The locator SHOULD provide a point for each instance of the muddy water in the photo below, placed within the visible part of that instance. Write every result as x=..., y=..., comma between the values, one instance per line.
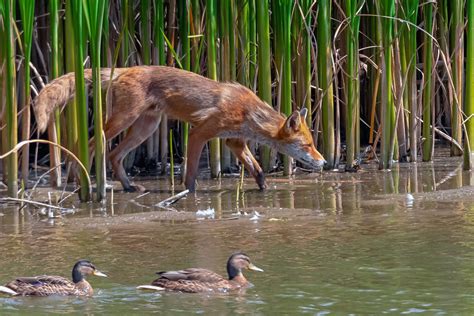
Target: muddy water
x=374, y=242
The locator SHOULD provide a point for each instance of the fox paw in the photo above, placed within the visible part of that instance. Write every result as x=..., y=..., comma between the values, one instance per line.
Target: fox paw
x=135, y=188
x=260, y=179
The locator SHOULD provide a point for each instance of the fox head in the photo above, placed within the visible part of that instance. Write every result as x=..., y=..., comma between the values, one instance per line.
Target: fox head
x=297, y=140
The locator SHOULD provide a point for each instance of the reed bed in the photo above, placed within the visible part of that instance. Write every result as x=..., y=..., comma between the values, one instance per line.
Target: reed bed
x=383, y=80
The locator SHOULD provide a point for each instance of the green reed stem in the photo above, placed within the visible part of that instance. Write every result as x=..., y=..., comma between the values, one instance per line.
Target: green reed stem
x=408, y=42
x=457, y=65
x=71, y=109
x=145, y=31
x=243, y=42
x=351, y=8
x=469, y=102
x=94, y=14
x=54, y=128
x=428, y=97
x=11, y=107
x=282, y=27
x=227, y=59
x=301, y=40
x=27, y=9
x=325, y=79
x=184, y=28
x=211, y=32
x=252, y=38
x=387, y=9
x=80, y=97
x=264, y=67
x=171, y=157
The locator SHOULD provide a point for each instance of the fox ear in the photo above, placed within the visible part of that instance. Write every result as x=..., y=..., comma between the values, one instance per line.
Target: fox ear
x=293, y=122
x=304, y=113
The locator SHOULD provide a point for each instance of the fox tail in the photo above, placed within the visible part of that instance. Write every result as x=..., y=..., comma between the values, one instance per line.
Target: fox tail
x=60, y=91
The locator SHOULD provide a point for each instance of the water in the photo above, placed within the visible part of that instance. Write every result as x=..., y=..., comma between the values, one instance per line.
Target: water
x=373, y=242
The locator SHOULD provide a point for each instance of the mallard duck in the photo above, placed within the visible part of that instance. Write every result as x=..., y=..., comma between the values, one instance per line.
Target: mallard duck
x=194, y=280
x=45, y=285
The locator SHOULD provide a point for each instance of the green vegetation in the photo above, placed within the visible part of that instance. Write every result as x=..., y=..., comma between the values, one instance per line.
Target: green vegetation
x=469, y=107
x=427, y=88
x=27, y=15
x=282, y=29
x=94, y=15
x=264, y=66
x=81, y=103
x=11, y=112
x=388, y=74
x=325, y=80
x=54, y=128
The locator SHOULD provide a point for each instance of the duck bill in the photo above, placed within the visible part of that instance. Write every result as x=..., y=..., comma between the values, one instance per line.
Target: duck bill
x=255, y=268
x=98, y=273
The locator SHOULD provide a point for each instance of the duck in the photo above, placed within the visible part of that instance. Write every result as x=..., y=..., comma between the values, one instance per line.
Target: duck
x=46, y=285
x=198, y=280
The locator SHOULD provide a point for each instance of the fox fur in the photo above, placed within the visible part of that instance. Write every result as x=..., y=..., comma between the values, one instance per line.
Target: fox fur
x=140, y=95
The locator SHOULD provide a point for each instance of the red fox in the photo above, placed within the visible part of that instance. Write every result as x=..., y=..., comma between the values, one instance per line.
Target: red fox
x=140, y=95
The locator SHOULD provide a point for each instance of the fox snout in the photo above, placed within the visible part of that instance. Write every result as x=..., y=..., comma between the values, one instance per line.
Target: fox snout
x=315, y=160
x=316, y=164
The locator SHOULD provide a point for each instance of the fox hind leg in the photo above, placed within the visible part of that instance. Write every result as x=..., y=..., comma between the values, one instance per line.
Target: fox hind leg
x=141, y=129
x=125, y=112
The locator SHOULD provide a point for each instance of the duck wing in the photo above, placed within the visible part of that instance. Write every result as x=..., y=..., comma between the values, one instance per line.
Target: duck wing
x=192, y=274
x=44, y=280
x=192, y=280
x=42, y=285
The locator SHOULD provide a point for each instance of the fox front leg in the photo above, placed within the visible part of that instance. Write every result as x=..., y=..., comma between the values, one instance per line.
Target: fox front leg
x=242, y=152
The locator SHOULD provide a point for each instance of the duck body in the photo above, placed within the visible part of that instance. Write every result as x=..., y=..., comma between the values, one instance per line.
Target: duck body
x=196, y=280
x=46, y=285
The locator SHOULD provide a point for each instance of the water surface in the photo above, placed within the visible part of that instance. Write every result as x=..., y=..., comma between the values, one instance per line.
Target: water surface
x=373, y=242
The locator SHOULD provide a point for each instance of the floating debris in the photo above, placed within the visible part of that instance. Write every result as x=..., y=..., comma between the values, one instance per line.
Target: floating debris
x=274, y=219
x=410, y=199
x=256, y=216
x=206, y=214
